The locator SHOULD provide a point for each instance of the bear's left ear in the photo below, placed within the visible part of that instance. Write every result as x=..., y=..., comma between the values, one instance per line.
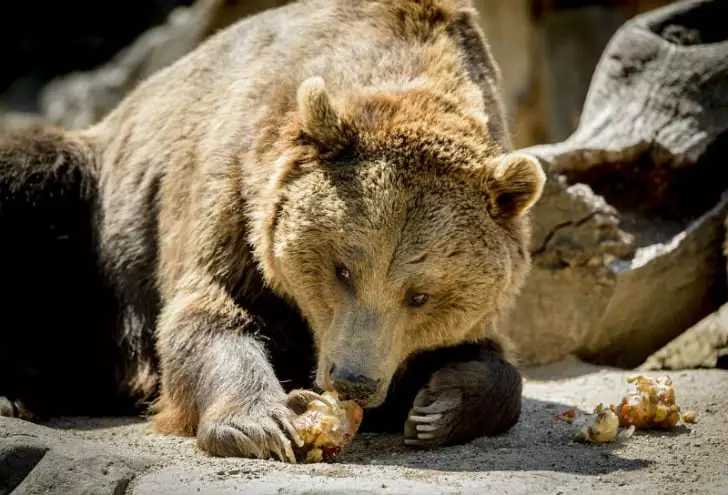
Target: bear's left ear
x=319, y=118
x=515, y=181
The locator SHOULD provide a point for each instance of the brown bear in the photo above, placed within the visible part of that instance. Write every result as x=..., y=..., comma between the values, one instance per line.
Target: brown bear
x=322, y=196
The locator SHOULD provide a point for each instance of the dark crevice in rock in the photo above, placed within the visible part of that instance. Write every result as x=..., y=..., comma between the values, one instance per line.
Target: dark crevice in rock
x=722, y=362
x=695, y=25
x=656, y=202
x=555, y=230
x=121, y=486
x=16, y=463
x=28, y=435
x=542, y=248
x=652, y=190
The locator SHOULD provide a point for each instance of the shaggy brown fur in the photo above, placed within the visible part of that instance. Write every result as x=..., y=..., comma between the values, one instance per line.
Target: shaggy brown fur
x=339, y=166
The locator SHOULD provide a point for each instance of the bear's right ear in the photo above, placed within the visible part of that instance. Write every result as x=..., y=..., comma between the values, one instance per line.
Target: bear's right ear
x=515, y=182
x=319, y=118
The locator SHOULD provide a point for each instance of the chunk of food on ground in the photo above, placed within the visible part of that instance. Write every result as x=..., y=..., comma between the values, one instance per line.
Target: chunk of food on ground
x=326, y=428
x=602, y=426
x=651, y=404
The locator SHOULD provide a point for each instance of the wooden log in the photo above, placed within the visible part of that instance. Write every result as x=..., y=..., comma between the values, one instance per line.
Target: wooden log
x=661, y=88
x=628, y=234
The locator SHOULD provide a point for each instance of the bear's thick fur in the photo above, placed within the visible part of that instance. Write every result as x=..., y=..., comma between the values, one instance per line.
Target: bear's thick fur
x=321, y=196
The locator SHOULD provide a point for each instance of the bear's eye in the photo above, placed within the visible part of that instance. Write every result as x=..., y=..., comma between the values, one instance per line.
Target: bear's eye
x=343, y=274
x=415, y=299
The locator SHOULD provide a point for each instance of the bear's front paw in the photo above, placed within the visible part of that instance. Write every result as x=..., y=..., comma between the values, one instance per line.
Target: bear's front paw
x=465, y=401
x=262, y=431
x=433, y=418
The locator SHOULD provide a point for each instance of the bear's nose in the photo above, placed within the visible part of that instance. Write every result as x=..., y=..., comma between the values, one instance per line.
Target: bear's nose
x=351, y=385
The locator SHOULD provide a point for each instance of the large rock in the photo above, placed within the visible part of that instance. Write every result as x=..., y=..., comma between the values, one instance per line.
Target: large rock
x=35, y=459
x=627, y=237
x=46, y=38
x=704, y=345
x=80, y=99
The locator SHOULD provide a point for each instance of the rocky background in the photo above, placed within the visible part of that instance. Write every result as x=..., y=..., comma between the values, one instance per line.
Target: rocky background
x=94, y=53
x=624, y=101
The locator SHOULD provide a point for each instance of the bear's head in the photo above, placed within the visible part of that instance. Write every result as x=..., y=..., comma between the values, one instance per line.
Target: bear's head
x=399, y=226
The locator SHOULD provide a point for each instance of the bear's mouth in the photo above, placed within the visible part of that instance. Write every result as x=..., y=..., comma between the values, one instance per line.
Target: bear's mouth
x=371, y=401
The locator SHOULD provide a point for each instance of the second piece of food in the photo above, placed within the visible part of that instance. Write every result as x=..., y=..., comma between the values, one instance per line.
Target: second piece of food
x=650, y=405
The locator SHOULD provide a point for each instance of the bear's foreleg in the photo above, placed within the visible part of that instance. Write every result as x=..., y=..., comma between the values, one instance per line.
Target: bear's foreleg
x=466, y=400
x=218, y=382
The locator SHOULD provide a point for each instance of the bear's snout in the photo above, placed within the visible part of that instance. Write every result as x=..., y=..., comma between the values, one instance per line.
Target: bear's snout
x=352, y=385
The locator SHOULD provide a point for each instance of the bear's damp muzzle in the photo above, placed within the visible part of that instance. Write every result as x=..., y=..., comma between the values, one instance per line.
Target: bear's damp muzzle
x=353, y=385
x=358, y=355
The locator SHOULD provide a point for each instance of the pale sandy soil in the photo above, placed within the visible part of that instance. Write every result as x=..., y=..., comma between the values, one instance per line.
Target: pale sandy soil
x=537, y=456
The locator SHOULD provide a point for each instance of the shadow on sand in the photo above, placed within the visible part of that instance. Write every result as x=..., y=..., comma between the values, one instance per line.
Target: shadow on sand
x=538, y=443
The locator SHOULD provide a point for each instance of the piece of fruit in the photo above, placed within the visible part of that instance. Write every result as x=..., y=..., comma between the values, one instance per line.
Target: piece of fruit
x=600, y=427
x=689, y=417
x=650, y=405
x=326, y=427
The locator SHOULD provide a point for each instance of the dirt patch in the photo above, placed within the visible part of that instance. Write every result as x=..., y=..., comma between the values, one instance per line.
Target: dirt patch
x=538, y=455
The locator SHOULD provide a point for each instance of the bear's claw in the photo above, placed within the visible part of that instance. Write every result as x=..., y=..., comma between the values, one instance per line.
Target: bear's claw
x=264, y=432
x=432, y=418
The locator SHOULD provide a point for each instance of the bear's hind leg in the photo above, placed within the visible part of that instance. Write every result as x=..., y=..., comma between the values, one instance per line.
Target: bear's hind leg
x=57, y=319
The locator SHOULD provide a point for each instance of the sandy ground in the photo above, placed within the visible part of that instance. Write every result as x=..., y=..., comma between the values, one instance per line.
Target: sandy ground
x=537, y=456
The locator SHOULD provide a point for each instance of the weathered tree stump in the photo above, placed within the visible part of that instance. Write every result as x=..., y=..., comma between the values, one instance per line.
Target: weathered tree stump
x=660, y=89
x=627, y=237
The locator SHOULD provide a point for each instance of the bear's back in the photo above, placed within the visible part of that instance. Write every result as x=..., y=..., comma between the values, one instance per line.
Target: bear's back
x=243, y=80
